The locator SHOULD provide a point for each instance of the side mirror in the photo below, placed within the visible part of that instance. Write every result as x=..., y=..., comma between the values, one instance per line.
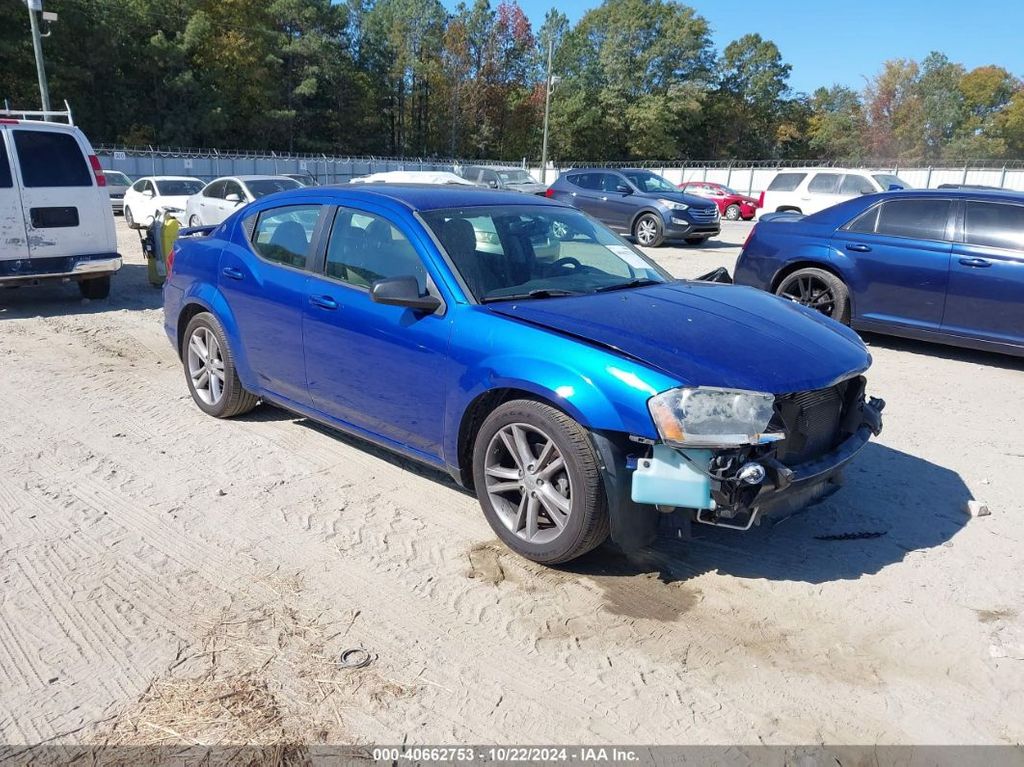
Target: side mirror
x=623, y=189
x=403, y=291
x=235, y=198
x=492, y=184
x=148, y=193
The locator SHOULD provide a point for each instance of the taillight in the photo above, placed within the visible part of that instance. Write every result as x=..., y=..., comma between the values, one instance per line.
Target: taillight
x=170, y=261
x=97, y=170
x=749, y=235
x=549, y=192
x=760, y=200
x=8, y=121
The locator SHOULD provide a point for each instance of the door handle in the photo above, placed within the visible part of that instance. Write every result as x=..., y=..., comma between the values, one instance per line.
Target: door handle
x=231, y=273
x=324, y=302
x=978, y=263
x=858, y=247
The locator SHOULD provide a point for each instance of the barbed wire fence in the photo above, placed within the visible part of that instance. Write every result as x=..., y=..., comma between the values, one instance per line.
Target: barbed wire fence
x=748, y=176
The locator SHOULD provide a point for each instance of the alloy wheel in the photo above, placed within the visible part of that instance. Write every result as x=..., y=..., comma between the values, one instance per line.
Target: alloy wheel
x=808, y=290
x=206, y=365
x=646, y=231
x=528, y=483
x=732, y=213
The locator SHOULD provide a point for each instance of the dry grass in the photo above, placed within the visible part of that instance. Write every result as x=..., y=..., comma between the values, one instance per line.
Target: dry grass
x=260, y=686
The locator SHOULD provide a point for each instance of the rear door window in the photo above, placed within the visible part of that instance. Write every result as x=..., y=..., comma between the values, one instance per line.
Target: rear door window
x=51, y=159
x=824, y=183
x=786, y=182
x=587, y=180
x=996, y=225
x=283, y=235
x=853, y=184
x=918, y=219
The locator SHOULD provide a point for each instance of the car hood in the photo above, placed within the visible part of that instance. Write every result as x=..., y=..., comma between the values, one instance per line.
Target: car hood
x=689, y=199
x=707, y=334
x=530, y=187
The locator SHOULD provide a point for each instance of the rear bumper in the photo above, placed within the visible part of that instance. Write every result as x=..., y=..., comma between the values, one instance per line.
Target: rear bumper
x=31, y=271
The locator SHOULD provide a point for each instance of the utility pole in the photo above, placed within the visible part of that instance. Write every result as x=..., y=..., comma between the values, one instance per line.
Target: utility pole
x=37, y=44
x=547, y=111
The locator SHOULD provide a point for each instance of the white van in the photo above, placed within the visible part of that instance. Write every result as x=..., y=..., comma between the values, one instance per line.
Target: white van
x=56, y=224
x=808, y=190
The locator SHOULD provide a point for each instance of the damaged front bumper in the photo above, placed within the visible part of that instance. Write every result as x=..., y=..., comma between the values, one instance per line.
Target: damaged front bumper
x=738, y=486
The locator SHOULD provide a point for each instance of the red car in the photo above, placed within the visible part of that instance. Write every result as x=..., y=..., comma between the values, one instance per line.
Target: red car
x=731, y=204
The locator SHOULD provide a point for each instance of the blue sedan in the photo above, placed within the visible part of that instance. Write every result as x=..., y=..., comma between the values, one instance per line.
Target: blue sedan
x=943, y=265
x=523, y=348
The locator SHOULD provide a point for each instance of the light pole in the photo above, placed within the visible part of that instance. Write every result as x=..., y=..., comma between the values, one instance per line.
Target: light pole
x=37, y=44
x=550, y=82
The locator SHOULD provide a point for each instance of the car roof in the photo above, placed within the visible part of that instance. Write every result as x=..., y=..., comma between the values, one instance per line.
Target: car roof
x=422, y=197
x=167, y=178
x=252, y=177
x=960, y=193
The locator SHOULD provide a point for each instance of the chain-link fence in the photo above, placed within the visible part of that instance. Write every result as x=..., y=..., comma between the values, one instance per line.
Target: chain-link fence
x=211, y=164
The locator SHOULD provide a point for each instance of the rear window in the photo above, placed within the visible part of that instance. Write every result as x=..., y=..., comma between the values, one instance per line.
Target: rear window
x=178, y=188
x=786, y=182
x=995, y=225
x=918, y=219
x=263, y=187
x=50, y=159
x=116, y=178
x=5, y=166
x=824, y=183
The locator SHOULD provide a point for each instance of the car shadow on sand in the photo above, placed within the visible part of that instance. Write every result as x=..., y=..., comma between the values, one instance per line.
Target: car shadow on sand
x=892, y=504
x=944, y=351
x=129, y=289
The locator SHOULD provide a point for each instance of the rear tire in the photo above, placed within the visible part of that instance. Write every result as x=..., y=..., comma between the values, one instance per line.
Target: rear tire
x=531, y=462
x=648, y=231
x=210, y=369
x=819, y=290
x=96, y=288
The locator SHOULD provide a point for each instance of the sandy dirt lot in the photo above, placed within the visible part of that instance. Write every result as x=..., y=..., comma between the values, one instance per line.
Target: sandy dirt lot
x=168, y=577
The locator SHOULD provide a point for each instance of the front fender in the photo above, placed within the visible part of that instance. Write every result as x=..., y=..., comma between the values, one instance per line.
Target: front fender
x=599, y=388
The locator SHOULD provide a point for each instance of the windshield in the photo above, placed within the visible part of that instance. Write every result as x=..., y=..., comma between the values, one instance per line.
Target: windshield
x=516, y=177
x=264, y=186
x=177, y=188
x=116, y=178
x=646, y=181
x=527, y=252
x=887, y=181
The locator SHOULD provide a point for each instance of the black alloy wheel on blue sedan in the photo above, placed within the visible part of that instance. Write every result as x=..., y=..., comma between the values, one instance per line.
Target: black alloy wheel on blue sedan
x=818, y=290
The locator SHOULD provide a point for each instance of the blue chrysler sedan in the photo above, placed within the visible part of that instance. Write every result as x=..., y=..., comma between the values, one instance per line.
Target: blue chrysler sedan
x=942, y=265
x=522, y=347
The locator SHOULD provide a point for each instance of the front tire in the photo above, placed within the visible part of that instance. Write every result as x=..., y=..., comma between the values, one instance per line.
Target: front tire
x=194, y=221
x=732, y=213
x=648, y=231
x=819, y=290
x=130, y=219
x=210, y=370
x=96, y=288
x=538, y=481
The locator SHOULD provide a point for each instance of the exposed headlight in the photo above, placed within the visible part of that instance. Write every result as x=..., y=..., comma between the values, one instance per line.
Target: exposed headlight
x=711, y=417
x=673, y=205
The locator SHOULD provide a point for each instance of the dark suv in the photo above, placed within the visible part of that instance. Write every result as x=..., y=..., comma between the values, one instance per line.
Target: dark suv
x=639, y=203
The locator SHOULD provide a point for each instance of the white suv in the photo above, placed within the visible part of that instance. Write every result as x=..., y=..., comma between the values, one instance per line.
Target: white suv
x=56, y=224
x=810, y=190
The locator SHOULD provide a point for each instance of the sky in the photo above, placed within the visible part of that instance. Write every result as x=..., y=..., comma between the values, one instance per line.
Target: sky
x=829, y=42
